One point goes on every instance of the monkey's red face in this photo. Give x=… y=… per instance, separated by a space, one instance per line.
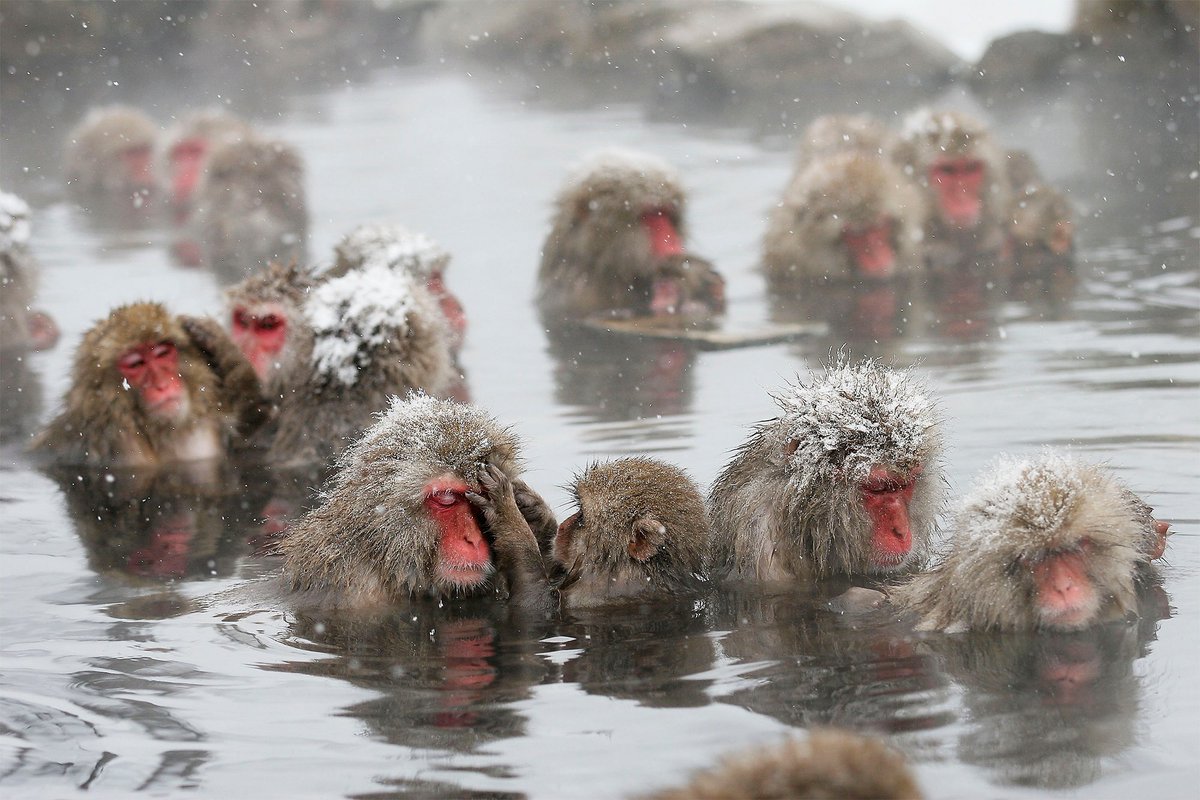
x=452 y=310
x=136 y=161
x=464 y=560
x=871 y=247
x=152 y=370
x=1065 y=594
x=958 y=183
x=659 y=224
x=886 y=496
x=261 y=334
x=187 y=162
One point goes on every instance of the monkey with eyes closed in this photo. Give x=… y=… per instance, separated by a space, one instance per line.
x=1043 y=543
x=846 y=481
x=148 y=388
x=640 y=530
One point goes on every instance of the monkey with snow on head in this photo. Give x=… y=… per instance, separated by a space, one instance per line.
x=846 y=481
x=21 y=328
x=1042 y=543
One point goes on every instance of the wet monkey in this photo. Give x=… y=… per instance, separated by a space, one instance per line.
x=149 y=388
x=110 y=154
x=846 y=481
x=188 y=146
x=1047 y=542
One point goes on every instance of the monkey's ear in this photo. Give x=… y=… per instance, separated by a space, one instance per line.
x=790 y=447
x=645 y=538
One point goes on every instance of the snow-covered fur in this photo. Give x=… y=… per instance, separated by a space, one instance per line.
x=18 y=272
x=393 y=246
x=370 y=541
x=789 y=505
x=1019 y=511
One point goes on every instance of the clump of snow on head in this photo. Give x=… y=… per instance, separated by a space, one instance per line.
x=945 y=131
x=354 y=314
x=392 y=246
x=855 y=417
x=1033 y=498
x=627 y=176
x=14 y=223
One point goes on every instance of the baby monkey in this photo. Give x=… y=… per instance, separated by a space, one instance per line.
x=640 y=529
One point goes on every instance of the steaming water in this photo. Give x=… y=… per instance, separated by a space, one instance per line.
x=114 y=682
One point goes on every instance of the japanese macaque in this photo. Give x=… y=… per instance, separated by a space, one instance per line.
x=640 y=529
x=21 y=328
x=251 y=207
x=110 y=154
x=849 y=217
x=422 y=505
x=187 y=149
x=846 y=481
x=617 y=246
x=1048 y=542
x=1043 y=234
x=828 y=764
x=150 y=388
x=840 y=133
x=413 y=253
x=330 y=351
x=954 y=160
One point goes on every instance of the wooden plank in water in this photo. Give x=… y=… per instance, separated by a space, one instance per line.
x=710 y=338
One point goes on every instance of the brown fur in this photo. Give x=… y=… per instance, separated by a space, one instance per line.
x=640 y=529
x=788 y=506
x=840 y=133
x=1040 y=218
x=371 y=541
x=92 y=162
x=828 y=765
x=930 y=135
x=103 y=423
x=597 y=257
x=251 y=207
x=1019 y=513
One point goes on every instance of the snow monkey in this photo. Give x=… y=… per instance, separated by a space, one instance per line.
x=423 y=505
x=188 y=145
x=828 y=764
x=1040 y=220
x=331 y=351
x=617 y=245
x=21 y=328
x=1046 y=542
x=640 y=529
x=110 y=154
x=150 y=388
x=846 y=481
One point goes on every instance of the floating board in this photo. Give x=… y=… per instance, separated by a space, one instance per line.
x=708 y=338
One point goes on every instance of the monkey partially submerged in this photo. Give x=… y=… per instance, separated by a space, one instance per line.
x=1049 y=542
x=399 y=518
x=617 y=245
x=828 y=764
x=331 y=351
x=21 y=328
x=640 y=530
x=109 y=156
x=846 y=481
x=148 y=388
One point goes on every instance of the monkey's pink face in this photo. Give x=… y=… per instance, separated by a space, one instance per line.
x=187 y=163
x=464 y=559
x=871 y=247
x=957 y=183
x=261 y=332
x=1065 y=594
x=886 y=496
x=152 y=371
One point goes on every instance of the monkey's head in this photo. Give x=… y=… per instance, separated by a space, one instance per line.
x=114 y=151
x=861 y=206
x=640 y=526
x=857 y=453
x=270 y=171
x=954 y=157
x=267 y=323
x=1049 y=542
x=141 y=363
x=399 y=496
x=189 y=144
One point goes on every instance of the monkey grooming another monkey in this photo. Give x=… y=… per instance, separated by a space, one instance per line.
x=150 y=388
x=110 y=155
x=1048 y=542
x=640 y=529
x=846 y=481
x=402 y=515
x=330 y=352
x=413 y=253
x=828 y=765
x=617 y=245
x=962 y=172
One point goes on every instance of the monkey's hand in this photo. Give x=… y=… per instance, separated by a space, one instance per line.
x=241 y=393
x=537 y=513
x=515 y=546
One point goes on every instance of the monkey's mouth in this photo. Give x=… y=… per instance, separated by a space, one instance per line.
x=464 y=576
x=882 y=561
x=1071 y=617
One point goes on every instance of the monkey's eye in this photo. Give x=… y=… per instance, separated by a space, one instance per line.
x=240 y=318
x=882 y=487
x=444 y=497
x=268 y=322
x=131 y=363
x=163 y=350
